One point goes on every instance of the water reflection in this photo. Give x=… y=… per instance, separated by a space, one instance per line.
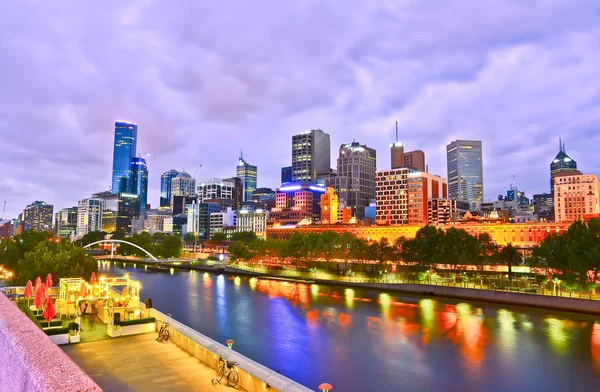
x=368 y=340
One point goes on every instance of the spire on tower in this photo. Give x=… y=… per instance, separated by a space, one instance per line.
x=560 y=144
x=396 y=131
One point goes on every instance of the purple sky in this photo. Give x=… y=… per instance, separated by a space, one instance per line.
x=201 y=81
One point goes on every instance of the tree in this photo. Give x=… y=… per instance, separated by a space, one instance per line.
x=91 y=237
x=170 y=247
x=425 y=249
x=511 y=256
x=239 y=251
x=218 y=237
x=189 y=238
x=244 y=236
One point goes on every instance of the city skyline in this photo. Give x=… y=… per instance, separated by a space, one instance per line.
x=441 y=87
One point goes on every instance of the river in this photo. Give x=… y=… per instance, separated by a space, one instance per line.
x=366 y=340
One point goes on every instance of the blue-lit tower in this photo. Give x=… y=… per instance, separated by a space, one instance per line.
x=247 y=173
x=124 y=151
x=165 y=187
x=139 y=175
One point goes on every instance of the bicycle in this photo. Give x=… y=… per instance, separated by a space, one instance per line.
x=163 y=334
x=227 y=367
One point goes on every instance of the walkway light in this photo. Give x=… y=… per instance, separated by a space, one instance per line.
x=229 y=343
x=325 y=387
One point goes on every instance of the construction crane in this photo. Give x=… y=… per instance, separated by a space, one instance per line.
x=3 y=210
x=196 y=171
x=512 y=182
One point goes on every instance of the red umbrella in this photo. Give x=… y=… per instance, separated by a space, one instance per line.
x=28 y=291
x=49 y=312
x=92 y=281
x=44 y=291
x=49 y=281
x=38 y=283
x=38 y=301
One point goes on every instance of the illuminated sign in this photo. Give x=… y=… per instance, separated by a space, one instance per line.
x=290 y=188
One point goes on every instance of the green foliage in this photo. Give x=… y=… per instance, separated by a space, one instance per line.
x=22 y=304
x=510 y=256
x=218 y=237
x=160 y=245
x=147 y=320
x=56 y=331
x=91 y=237
x=244 y=236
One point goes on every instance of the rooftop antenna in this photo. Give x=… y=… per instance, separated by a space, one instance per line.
x=560 y=144
x=564 y=148
x=242 y=152
x=396 y=131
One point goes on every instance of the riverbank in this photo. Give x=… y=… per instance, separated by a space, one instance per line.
x=535 y=300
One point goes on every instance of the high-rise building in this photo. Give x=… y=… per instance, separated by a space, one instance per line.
x=397 y=152
x=165 y=187
x=198 y=219
x=562 y=163
x=255 y=221
x=355 y=180
x=286 y=175
x=182 y=185
x=65 y=222
x=442 y=211
x=139 y=184
x=329 y=206
x=248 y=174
x=89 y=216
x=221 y=219
x=6 y=228
x=124 y=151
x=118 y=211
x=543 y=206
x=295 y=202
x=465 y=171
x=38 y=216
x=180 y=203
x=216 y=188
x=238 y=192
x=311 y=155
x=422 y=187
x=158 y=221
x=415 y=160
x=576 y=196
x=264 y=198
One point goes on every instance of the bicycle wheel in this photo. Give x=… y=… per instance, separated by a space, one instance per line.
x=165 y=335
x=232 y=378
x=221 y=372
x=160 y=333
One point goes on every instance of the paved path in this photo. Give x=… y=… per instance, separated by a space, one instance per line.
x=140 y=363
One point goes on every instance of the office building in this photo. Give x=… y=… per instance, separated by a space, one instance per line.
x=198 y=219
x=248 y=175
x=178 y=224
x=442 y=211
x=264 y=198
x=311 y=155
x=180 y=203
x=465 y=171
x=118 y=211
x=238 y=191
x=165 y=187
x=6 y=228
x=182 y=185
x=355 y=179
x=415 y=160
x=65 y=222
x=543 y=206
x=391 y=196
x=216 y=188
x=158 y=221
x=255 y=221
x=562 y=163
x=286 y=175
x=576 y=196
x=124 y=151
x=221 y=219
x=296 y=202
x=422 y=187
x=37 y=216
x=139 y=186
x=89 y=216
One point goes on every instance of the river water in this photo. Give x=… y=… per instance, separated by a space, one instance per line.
x=366 y=340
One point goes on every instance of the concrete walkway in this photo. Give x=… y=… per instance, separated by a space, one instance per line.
x=140 y=363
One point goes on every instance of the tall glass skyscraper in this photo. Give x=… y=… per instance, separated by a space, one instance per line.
x=560 y=164
x=247 y=173
x=139 y=175
x=124 y=150
x=465 y=171
x=165 y=187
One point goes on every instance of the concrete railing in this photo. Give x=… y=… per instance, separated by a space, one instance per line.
x=254 y=377
x=30 y=361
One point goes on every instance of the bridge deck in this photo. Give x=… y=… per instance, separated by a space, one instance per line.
x=140 y=363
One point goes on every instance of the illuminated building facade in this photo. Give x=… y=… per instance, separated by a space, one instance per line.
x=442 y=211
x=38 y=216
x=118 y=211
x=295 y=202
x=562 y=163
x=286 y=175
x=89 y=216
x=198 y=219
x=329 y=206
x=422 y=187
x=139 y=183
x=255 y=221
x=465 y=171
x=65 y=222
x=248 y=174
x=391 y=196
x=6 y=228
x=415 y=160
x=182 y=185
x=523 y=235
x=575 y=196
x=158 y=221
x=124 y=151
x=355 y=180
x=311 y=155
x=216 y=188
x=165 y=187
x=264 y=198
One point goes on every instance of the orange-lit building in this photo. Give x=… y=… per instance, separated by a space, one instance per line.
x=523 y=235
x=423 y=187
x=575 y=196
x=329 y=206
x=296 y=202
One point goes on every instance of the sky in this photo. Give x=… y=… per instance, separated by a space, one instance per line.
x=203 y=80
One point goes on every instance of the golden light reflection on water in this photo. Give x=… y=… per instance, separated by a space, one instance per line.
x=557 y=336
x=506 y=322
x=314 y=291
x=237 y=280
x=252 y=282
x=349 y=296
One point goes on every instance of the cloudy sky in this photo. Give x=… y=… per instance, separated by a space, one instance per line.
x=203 y=80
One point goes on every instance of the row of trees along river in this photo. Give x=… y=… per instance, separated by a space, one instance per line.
x=572 y=256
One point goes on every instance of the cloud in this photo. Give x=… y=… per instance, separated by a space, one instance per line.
x=203 y=81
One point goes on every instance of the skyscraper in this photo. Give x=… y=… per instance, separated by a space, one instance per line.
x=65 y=222
x=38 y=216
x=562 y=163
x=124 y=150
x=139 y=183
x=355 y=180
x=465 y=171
x=89 y=216
x=415 y=159
x=165 y=187
x=311 y=155
x=248 y=174
x=286 y=175
x=182 y=185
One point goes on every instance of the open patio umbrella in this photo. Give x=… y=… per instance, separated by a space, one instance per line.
x=49 y=281
x=93 y=281
x=38 y=283
x=28 y=291
x=49 y=312
x=83 y=290
x=44 y=291
x=38 y=301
